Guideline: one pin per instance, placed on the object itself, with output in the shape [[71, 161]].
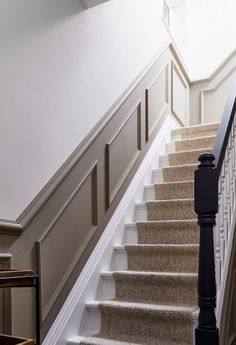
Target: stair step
[[170, 209], [163, 257], [174, 173], [103, 341], [208, 129], [155, 287], [167, 232], [196, 143], [182, 157], [145, 323], [174, 190]]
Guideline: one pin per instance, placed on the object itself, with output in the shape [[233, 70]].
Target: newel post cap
[[206, 160]]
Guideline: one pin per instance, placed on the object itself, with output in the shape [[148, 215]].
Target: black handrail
[[224, 130], [206, 207]]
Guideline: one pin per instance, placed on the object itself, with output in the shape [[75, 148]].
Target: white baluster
[[217, 244]]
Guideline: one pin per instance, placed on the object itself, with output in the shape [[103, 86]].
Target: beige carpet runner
[[156, 296]]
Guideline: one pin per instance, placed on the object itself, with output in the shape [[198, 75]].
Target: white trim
[[70, 316]]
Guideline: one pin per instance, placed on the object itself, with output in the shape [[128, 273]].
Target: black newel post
[[206, 207]]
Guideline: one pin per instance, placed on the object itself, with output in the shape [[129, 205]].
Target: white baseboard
[[70, 322]]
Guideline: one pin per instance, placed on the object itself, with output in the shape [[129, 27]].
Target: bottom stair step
[[145, 323], [103, 341]]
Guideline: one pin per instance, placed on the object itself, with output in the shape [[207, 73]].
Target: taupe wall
[[64, 223], [5, 298]]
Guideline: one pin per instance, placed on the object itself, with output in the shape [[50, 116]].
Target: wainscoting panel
[[179, 94], [156, 100], [122, 151], [66, 237], [213, 100], [5, 300], [60, 228]]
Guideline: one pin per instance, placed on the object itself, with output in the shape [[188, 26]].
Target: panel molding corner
[[111, 192], [176, 71], [44, 253], [162, 102]]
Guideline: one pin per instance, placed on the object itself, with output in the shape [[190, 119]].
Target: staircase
[[155, 274]]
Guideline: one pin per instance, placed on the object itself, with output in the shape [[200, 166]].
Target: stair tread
[[159, 308], [144, 274], [167, 246], [212, 125], [177, 166], [105, 341], [207, 149], [166, 222], [173, 183], [173, 201], [194, 139]]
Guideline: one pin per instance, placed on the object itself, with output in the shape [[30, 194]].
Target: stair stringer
[[71, 321]]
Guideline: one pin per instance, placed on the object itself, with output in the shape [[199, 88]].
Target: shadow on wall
[[26, 17], [91, 3]]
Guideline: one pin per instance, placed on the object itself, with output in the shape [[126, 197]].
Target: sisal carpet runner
[[156, 296]]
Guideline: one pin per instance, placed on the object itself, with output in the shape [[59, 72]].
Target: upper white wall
[[212, 32], [61, 68], [179, 25]]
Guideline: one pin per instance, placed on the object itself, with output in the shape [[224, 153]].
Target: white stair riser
[[157, 176], [121, 260], [75, 340], [130, 234], [149, 193], [164, 161], [91, 320], [140, 213], [175, 137], [108, 287], [170, 148]]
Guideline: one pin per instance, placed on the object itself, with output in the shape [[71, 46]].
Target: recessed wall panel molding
[[65, 239], [5, 299], [214, 97], [156, 100], [122, 151], [179, 95], [208, 96]]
